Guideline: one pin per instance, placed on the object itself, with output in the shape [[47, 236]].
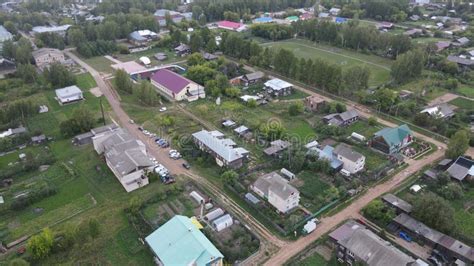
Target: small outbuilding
[[145, 60], [69, 95], [223, 222], [214, 214], [198, 198]]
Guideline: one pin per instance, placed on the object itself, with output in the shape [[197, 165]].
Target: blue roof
[[327, 154], [263, 19], [340, 20], [179, 242]]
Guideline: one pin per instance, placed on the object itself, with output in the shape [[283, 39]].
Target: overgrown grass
[[463, 103], [85, 81]]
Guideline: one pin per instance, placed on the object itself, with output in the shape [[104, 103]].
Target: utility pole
[[102, 110]]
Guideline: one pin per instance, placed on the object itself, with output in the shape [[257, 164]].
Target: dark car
[[405, 236], [186, 165]]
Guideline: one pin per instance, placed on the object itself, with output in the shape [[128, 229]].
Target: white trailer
[[309, 227], [223, 222], [214, 214]]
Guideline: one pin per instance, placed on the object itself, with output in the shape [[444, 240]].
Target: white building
[[353, 161], [279, 87], [69, 94], [126, 157], [61, 30], [277, 191]]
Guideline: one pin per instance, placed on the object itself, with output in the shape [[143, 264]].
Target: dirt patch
[[324, 251], [444, 98], [96, 92]]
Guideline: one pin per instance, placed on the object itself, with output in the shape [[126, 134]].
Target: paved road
[[268, 240]]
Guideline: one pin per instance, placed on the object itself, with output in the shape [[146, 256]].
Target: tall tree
[[123, 82], [434, 211], [458, 144], [40, 245]]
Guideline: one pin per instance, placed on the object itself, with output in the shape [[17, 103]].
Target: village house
[[125, 156], [342, 119], [276, 147], [279, 193], [180, 242], [462, 169], [463, 41], [161, 56], [86, 138], [11, 132], [450, 247], [182, 50], [251, 78], [61, 30], [463, 61], [327, 153], [442, 45], [443, 110], [160, 16], [314, 103], [46, 56], [69, 95], [397, 203], [278, 87], [352, 161], [223, 150], [392, 140], [230, 25], [142, 37], [355, 244], [209, 57], [177, 87]]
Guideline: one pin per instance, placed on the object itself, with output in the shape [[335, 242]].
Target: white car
[[162, 109]]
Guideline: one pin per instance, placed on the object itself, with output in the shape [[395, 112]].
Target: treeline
[[273, 32], [214, 9], [317, 72], [17, 111]]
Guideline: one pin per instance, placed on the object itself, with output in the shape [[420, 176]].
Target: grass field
[[466, 90], [85, 81], [379, 67], [150, 54], [463, 103]]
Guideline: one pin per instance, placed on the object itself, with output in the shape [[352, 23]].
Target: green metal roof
[[293, 18], [179, 242], [394, 136]]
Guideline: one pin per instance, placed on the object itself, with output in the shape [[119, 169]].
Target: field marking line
[[331, 52]]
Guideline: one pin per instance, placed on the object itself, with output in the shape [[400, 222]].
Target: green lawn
[[150, 54], [379, 67], [85, 81], [466, 90], [99, 63], [463, 103]]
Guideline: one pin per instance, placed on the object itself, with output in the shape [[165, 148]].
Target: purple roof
[[167, 78]]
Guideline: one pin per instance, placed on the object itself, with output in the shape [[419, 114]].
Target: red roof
[[168, 79], [229, 24]]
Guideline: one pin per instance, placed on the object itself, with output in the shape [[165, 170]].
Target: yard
[[85, 81], [463, 103], [172, 58], [379, 67], [466, 90]]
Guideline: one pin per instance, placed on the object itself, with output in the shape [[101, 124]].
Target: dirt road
[[268, 241]]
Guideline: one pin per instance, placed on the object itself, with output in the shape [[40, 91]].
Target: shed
[[241, 130], [145, 60], [214, 214], [198, 198], [358, 137], [229, 123], [223, 222], [286, 173], [69, 94], [161, 56], [38, 139], [82, 139], [251, 198], [415, 188], [309, 226]]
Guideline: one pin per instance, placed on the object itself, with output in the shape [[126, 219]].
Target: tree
[[123, 82], [272, 131], [196, 43], [196, 59], [27, 73], [134, 205], [377, 211], [434, 211], [200, 74], [146, 93], [229, 177], [76, 36], [452, 191], [82, 120], [385, 98], [295, 109], [40, 245], [458, 144], [408, 66], [356, 78], [59, 76]]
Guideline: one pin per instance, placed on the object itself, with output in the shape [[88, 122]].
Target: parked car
[[405, 236], [162, 109], [186, 165], [140, 128]]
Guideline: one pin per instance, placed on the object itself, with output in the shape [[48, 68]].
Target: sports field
[[379, 67]]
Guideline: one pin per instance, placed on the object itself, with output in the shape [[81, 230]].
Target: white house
[[277, 191], [69, 94], [125, 156], [353, 161], [279, 87], [176, 86]]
